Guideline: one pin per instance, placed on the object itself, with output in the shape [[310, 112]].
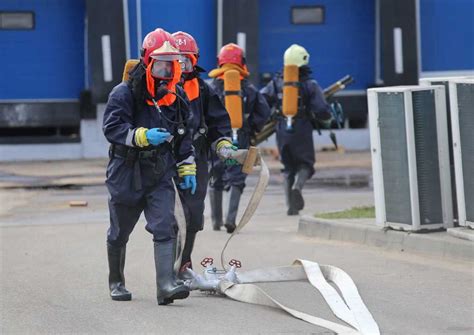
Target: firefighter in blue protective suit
[[296, 145], [255, 113], [211, 126], [146, 123]]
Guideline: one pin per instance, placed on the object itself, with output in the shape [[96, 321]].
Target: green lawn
[[352, 213]]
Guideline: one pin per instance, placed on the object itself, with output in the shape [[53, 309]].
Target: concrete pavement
[[54, 271], [333, 168]]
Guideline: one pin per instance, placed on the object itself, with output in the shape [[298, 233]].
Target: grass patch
[[352, 213]]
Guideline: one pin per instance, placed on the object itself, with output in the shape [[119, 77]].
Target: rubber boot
[[215, 197], [186, 261], [116, 257], [296, 193], [176, 279], [235, 194], [288, 185], [167, 289]]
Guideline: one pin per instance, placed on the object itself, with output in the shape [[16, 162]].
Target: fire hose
[[347, 305]]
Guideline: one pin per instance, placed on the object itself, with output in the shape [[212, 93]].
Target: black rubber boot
[[215, 197], [167, 289], [186, 261], [176, 279], [296, 193], [235, 194], [288, 185], [116, 257]]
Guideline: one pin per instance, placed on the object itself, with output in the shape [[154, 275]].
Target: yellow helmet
[[296, 55]]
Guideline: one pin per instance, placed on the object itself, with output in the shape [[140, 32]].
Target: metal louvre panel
[[445, 83], [465, 94], [427, 160], [448, 115], [393, 145]]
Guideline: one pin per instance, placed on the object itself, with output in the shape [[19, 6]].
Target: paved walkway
[[53, 275], [329, 166]]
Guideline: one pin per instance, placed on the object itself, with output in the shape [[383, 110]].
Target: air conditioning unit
[[445, 82], [461, 96], [410, 157]]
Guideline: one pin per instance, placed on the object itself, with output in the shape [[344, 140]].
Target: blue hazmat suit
[[141, 179]]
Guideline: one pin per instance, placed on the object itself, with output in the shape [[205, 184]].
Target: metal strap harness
[[239, 93], [239, 286]]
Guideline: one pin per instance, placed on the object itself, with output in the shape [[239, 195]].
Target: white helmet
[[296, 55]]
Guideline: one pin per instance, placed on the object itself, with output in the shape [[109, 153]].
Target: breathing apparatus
[[161, 74]]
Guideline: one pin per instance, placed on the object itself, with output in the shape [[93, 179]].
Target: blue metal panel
[[343, 44], [447, 35], [132, 21], [195, 17], [48, 61]]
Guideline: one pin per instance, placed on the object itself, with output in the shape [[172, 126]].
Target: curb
[[462, 232], [364, 231]]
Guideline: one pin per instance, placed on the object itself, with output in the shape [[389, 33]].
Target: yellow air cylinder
[[233, 100], [130, 64], [290, 90]]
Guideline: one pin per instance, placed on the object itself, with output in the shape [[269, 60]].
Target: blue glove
[[156, 136], [189, 183]]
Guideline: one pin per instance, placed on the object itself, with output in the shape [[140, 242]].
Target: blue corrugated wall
[[48, 61], [195, 17], [344, 44], [132, 17], [447, 35]]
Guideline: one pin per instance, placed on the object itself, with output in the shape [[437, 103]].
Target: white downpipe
[[106, 58], [242, 40], [378, 78], [398, 49], [418, 38], [220, 13], [139, 26], [126, 26]]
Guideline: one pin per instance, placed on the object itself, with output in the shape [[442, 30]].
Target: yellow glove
[[223, 143], [140, 137], [224, 149], [187, 170]]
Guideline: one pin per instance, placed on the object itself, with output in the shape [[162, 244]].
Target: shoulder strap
[[203, 94]]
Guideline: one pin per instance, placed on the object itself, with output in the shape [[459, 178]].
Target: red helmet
[[186, 43], [231, 53], [157, 44]]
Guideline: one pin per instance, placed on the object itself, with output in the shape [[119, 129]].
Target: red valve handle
[[236, 263], [207, 261]]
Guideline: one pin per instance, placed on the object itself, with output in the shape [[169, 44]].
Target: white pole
[[106, 58], [220, 13], [398, 49], [242, 40], [139, 26], [126, 26]]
